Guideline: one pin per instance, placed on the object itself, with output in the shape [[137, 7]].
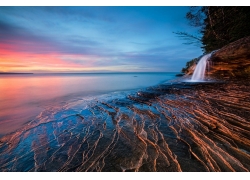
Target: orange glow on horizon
[[13, 61]]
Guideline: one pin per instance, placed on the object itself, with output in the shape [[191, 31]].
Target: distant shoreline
[[15, 73], [87, 73]]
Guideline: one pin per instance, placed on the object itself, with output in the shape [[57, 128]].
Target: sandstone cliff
[[233, 60]]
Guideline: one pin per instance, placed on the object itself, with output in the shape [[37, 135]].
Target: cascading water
[[199, 72]]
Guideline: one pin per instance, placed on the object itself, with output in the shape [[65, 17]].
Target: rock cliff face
[[232, 60], [191, 70]]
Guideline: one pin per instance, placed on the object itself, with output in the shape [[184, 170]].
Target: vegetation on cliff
[[217, 27], [189, 64]]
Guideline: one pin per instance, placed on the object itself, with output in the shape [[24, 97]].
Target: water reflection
[[23, 96]]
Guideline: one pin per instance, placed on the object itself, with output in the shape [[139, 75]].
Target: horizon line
[[87, 72]]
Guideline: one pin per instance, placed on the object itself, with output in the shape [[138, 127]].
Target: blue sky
[[94, 39]]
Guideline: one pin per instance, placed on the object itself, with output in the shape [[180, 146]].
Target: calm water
[[23, 97]]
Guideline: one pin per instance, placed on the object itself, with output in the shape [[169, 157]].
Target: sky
[[94, 39]]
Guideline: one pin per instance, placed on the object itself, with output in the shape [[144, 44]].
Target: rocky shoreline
[[177, 126]]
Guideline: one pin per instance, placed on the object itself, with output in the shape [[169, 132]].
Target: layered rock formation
[[232, 60], [170, 127]]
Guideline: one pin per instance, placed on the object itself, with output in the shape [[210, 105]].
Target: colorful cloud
[[93, 39]]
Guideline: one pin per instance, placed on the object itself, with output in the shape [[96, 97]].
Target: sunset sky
[[94, 39]]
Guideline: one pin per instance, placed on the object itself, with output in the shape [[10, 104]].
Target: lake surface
[[24, 96]]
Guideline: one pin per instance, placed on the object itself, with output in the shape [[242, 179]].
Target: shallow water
[[170, 127], [23, 97]]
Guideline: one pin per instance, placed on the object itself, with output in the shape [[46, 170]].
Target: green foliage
[[224, 25], [217, 25], [189, 64]]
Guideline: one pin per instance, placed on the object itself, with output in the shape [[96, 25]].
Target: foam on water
[[23, 97], [200, 70]]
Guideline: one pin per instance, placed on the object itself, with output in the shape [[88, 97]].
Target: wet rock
[[196, 127], [179, 75]]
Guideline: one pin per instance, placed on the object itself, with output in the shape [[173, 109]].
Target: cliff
[[231, 61]]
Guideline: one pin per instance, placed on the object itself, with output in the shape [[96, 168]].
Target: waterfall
[[199, 72]]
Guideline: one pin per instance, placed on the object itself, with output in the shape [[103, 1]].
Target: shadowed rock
[[232, 60]]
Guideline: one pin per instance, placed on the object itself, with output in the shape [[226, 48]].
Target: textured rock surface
[[232, 60], [171, 127]]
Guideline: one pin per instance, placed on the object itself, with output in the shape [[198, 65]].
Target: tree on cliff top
[[218, 26]]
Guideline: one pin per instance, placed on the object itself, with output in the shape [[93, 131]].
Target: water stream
[[200, 70]]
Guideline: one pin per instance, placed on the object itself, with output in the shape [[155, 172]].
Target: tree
[[224, 25], [195, 18], [217, 26]]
